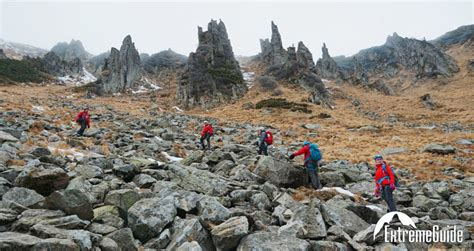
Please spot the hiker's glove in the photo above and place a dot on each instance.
(392, 186)
(292, 156)
(377, 193)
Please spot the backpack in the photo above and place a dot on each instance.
(314, 153)
(269, 138)
(211, 130)
(387, 176)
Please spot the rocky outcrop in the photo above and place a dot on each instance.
(398, 54)
(461, 35)
(121, 70)
(273, 52)
(2, 54)
(95, 64)
(212, 74)
(163, 60)
(70, 51)
(54, 65)
(293, 65)
(326, 67)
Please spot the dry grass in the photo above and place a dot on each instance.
(336, 137)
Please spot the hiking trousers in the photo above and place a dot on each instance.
(313, 178)
(387, 195)
(83, 124)
(206, 137)
(263, 148)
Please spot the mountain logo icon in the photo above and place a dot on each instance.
(387, 218)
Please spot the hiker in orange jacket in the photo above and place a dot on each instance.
(384, 182)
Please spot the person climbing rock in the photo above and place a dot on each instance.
(206, 134)
(312, 159)
(83, 119)
(384, 182)
(265, 138)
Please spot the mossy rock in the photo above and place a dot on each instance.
(284, 104)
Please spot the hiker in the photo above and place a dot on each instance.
(206, 134)
(83, 119)
(384, 181)
(265, 138)
(312, 159)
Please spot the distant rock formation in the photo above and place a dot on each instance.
(421, 58)
(54, 65)
(2, 54)
(293, 65)
(326, 67)
(70, 51)
(167, 59)
(212, 74)
(273, 52)
(95, 64)
(460, 35)
(121, 69)
(19, 51)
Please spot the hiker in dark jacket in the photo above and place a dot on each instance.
(384, 182)
(83, 119)
(311, 164)
(206, 134)
(265, 138)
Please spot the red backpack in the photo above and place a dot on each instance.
(269, 138)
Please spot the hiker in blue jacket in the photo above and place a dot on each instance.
(312, 158)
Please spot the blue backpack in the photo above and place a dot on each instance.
(387, 176)
(315, 153)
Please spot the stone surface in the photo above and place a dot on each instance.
(71, 202)
(124, 239)
(24, 197)
(439, 148)
(271, 241)
(227, 235)
(279, 172)
(44, 181)
(148, 217)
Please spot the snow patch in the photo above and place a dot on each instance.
(339, 190)
(171, 158)
(178, 109)
(249, 77)
(147, 86)
(74, 154)
(37, 109)
(77, 80)
(374, 208)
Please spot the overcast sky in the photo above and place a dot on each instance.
(346, 27)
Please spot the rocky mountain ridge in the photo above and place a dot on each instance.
(72, 50)
(295, 66)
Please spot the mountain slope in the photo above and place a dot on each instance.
(18, 51)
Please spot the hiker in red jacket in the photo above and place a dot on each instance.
(265, 138)
(384, 181)
(206, 134)
(83, 119)
(311, 162)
